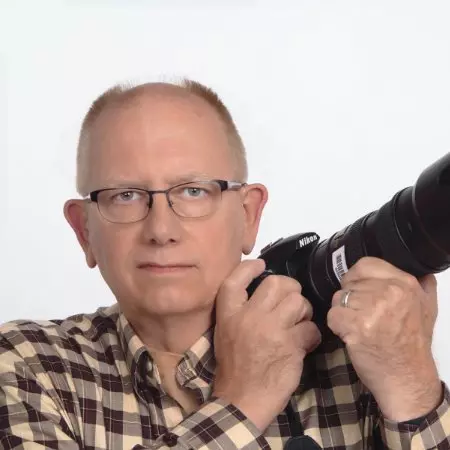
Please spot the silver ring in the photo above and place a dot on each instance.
(344, 299)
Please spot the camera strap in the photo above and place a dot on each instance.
(298, 441)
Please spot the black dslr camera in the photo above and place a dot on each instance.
(411, 231)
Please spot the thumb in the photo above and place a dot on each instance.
(232, 293)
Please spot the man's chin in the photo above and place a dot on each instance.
(170, 300)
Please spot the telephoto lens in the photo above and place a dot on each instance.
(411, 231)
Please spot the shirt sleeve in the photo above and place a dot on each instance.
(216, 425)
(433, 431)
(29, 418)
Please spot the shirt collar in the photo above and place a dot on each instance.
(137, 358)
(195, 369)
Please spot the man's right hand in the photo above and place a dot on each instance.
(260, 343)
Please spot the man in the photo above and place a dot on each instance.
(185, 359)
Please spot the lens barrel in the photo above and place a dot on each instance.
(411, 231)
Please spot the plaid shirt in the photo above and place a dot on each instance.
(88, 382)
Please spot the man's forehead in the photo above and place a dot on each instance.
(159, 160)
(158, 118)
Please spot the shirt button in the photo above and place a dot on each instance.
(170, 439)
(187, 372)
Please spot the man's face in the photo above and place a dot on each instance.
(155, 143)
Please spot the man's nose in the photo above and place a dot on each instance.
(162, 224)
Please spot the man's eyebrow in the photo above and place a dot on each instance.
(185, 178)
(191, 176)
(126, 184)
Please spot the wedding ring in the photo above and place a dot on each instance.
(344, 299)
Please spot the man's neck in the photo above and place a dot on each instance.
(174, 334)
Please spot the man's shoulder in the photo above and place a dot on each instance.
(78, 334)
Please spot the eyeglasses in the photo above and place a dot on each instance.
(191, 200)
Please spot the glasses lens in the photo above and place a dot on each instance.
(123, 205)
(196, 199)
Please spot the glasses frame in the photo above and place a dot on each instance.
(225, 185)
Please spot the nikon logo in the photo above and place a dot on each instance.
(306, 240)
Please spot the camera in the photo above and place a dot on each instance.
(411, 231)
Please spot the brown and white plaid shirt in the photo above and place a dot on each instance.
(88, 382)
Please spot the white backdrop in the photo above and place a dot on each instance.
(341, 104)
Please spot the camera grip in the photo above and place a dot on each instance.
(256, 282)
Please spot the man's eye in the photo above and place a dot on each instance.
(195, 192)
(126, 196)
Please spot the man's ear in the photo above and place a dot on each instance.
(255, 197)
(75, 214)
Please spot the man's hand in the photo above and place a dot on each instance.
(260, 343)
(387, 327)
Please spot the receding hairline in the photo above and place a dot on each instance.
(120, 94)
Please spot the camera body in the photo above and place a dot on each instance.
(292, 257)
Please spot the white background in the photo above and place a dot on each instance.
(341, 104)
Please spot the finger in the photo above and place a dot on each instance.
(273, 289)
(307, 336)
(232, 293)
(342, 322)
(360, 294)
(293, 309)
(375, 268)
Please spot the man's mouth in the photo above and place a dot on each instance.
(165, 268)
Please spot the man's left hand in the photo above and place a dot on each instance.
(387, 327)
